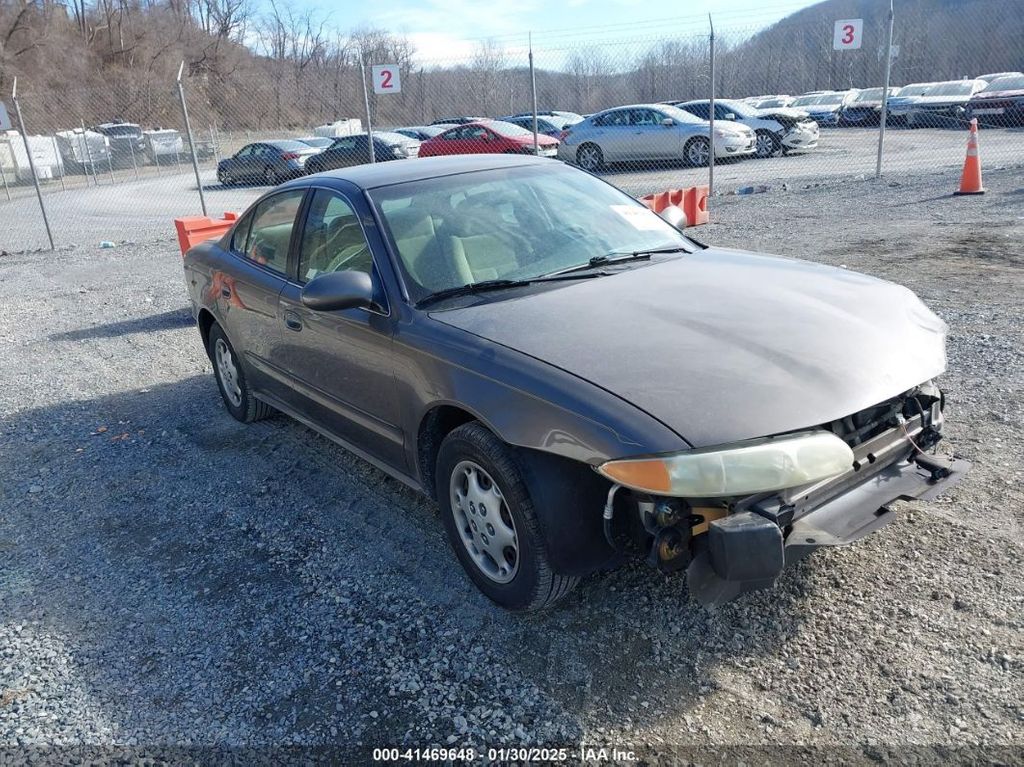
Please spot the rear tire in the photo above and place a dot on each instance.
(590, 157)
(234, 386)
(491, 523)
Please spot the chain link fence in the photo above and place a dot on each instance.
(631, 103)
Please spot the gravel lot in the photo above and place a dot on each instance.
(171, 577)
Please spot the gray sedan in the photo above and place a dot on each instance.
(646, 132)
(571, 378)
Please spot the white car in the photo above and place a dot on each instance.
(645, 132)
(825, 107)
(776, 130)
(772, 102)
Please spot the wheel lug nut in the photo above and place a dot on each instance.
(490, 528)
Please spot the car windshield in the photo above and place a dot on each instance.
(958, 88)
(805, 101)
(1006, 84)
(916, 89)
(741, 110)
(123, 130)
(833, 98)
(771, 104)
(869, 94)
(509, 130)
(317, 141)
(679, 115)
(513, 223)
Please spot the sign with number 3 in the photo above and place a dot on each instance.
(386, 79)
(848, 34)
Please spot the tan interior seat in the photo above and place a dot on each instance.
(429, 256)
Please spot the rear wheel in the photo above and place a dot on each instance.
(590, 157)
(234, 387)
(223, 177)
(491, 523)
(697, 151)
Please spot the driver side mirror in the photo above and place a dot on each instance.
(730, 115)
(668, 122)
(349, 289)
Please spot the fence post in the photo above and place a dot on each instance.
(885, 94)
(711, 115)
(60, 165)
(191, 141)
(3, 177)
(90, 165)
(135, 165)
(533, 95)
(366, 103)
(31, 162)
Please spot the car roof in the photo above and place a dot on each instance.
(388, 173)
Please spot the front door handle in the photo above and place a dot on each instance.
(292, 321)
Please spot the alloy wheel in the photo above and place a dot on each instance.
(698, 152)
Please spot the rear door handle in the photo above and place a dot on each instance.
(292, 321)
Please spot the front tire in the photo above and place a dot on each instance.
(234, 386)
(491, 522)
(767, 144)
(590, 157)
(697, 152)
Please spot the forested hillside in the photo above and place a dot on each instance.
(283, 68)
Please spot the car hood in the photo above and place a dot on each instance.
(1015, 93)
(725, 345)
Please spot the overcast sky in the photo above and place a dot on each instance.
(452, 29)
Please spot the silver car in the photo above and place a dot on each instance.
(643, 132)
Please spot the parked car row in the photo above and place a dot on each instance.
(761, 126)
(996, 99)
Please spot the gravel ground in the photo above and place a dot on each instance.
(172, 577)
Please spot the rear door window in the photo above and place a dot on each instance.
(271, 232)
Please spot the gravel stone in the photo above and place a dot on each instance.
(186, 579)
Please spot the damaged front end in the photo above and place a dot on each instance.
(730, 545)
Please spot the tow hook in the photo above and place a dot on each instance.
(938, 468)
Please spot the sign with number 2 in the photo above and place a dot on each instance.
(386, 79)
(847, 34)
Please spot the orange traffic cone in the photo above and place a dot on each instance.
(970, 179)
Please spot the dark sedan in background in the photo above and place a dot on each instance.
(346, 151)
(1001, 102)
(572, 378)
(265, 162)
(423, 132)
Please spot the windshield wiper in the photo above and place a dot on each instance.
(619, 257)
(486, 285)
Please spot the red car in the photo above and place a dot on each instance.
(488, 137)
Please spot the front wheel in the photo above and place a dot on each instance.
(767, 144)
(698, 152)
(491, 523)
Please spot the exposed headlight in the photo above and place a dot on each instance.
(399, 151)
(723, 133)
(773, 463)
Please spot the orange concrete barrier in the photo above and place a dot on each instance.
(693, 200)
(970, 179)
(195, 229)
